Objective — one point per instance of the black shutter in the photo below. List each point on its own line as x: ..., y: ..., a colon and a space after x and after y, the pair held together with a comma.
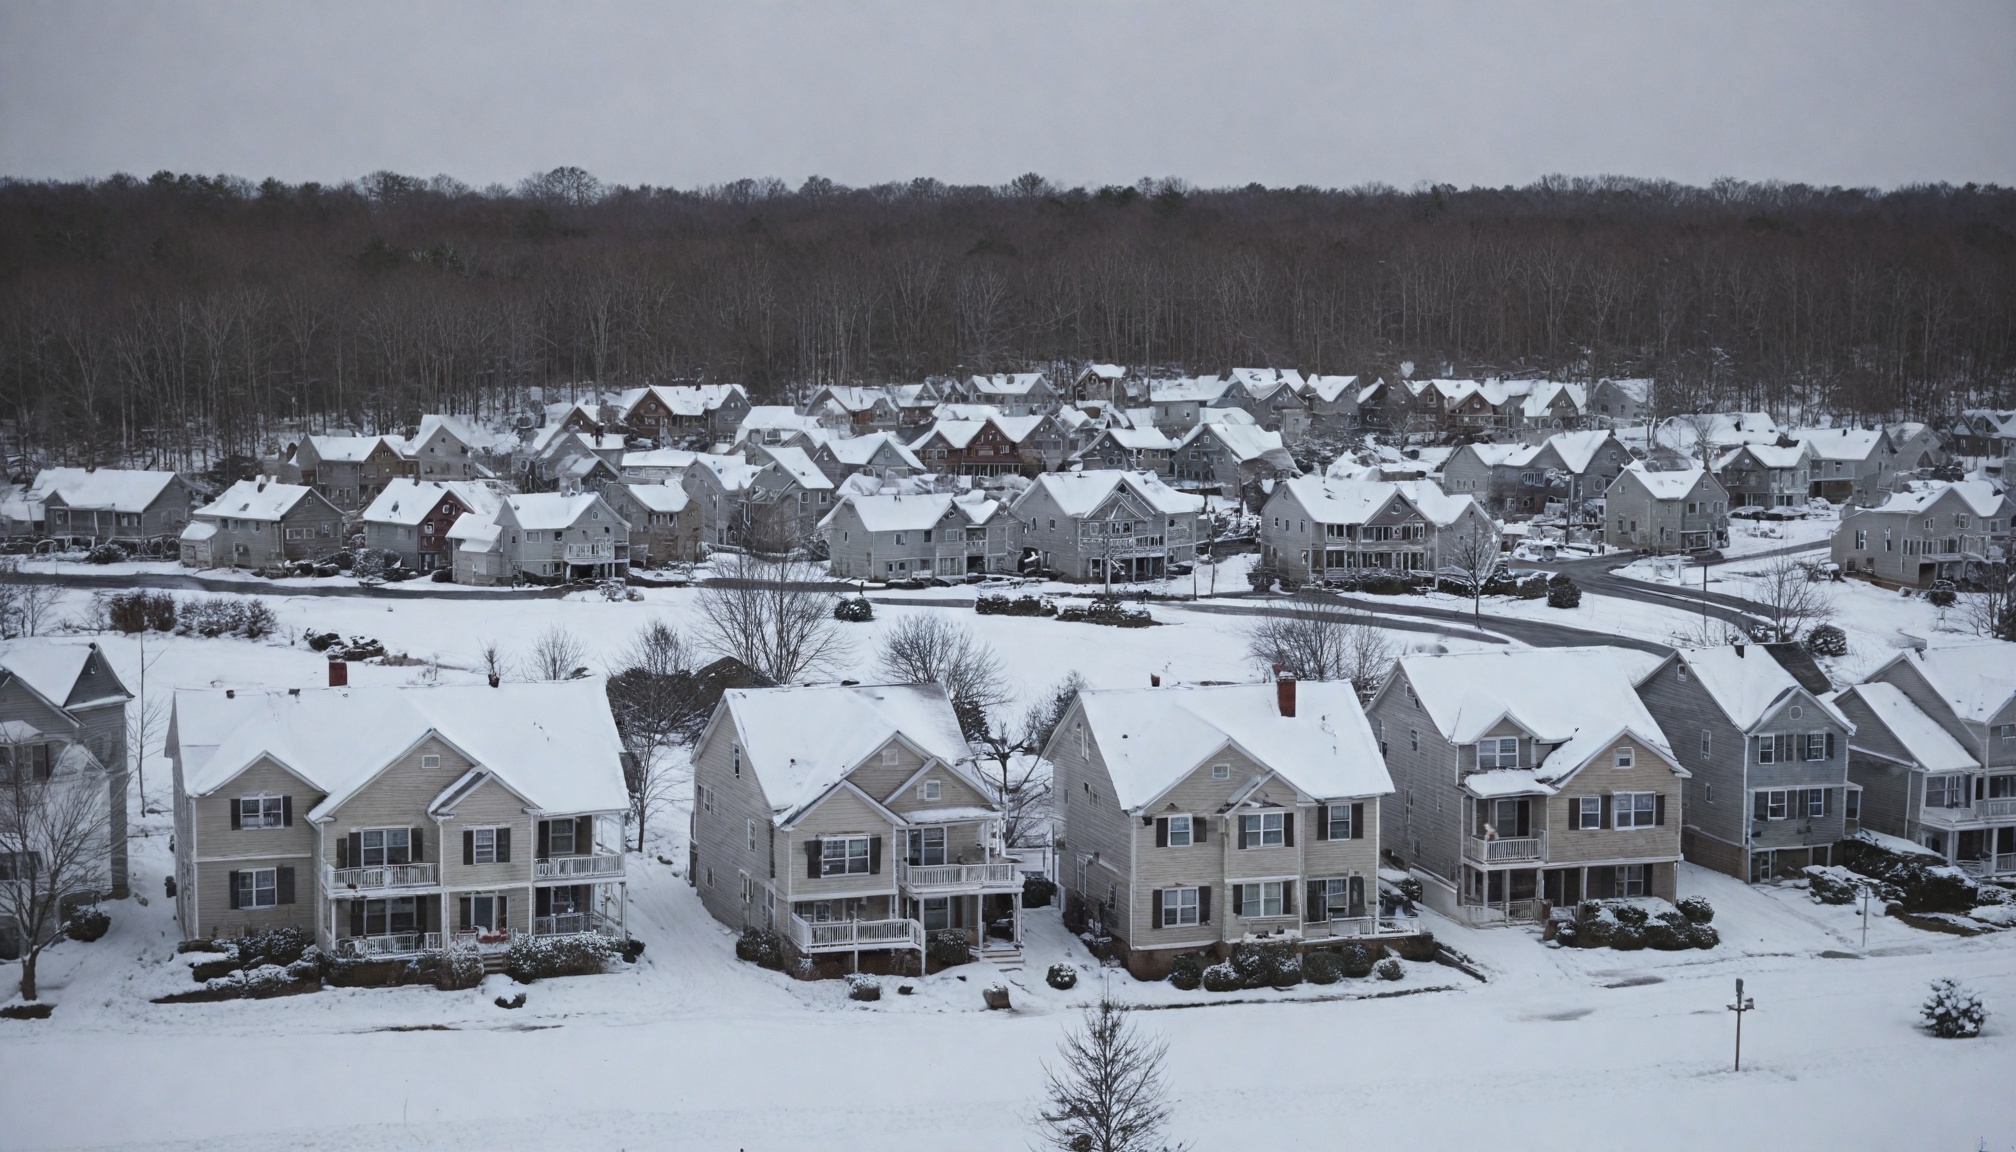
x: 1156, y: 896
x: 812, y: 859
x: 462, y: 914
x: 286, y: 811
x: 1288, y: 829
x: 875, y: 855
x: 1524, y: 825
x: 234, y: 889
x: 234, y: 815
x: 1323, y: 822
x: 1659, y: 809
x: 1826, y: 802
x: 1830, y: 745
x: 543, y: 846
x: 1357, y: 821
x: 503, y: 845
x: 1197, y: 826
x: 1239, y: 830
x: 1760, y: 807
x: 584, y: 835
x: 1319, y: 909
x: 1238, y: 899
x: 1161, y: 841
x: 416, y: 844
x: 1606, y: 822
x: 42, y: 762
x: 1287, y: 898
x: 356, y: 917
x: 542, y: 902
x: 1204, y: 905
x: 356, y: 849
x: 468, y: 846
x: 283, y: 882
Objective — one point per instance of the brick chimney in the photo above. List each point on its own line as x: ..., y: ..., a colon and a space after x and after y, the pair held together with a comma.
x: 1154, y: 680
x: 339, y: 674
x: 1284, y: 695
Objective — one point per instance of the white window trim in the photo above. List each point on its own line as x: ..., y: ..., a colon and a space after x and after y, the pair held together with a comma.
x: 846, y: 857
x: 1185, y: 916
x: 1189, y: 833
x: 1619, y: 808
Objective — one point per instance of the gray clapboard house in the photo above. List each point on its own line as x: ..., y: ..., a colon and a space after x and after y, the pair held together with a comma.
x: 896, y: 536
x: 1665, y: 510
x: 85, y: 506
x: 1934, y: 531
x: 1196, y: 816
x: 1317, y: 526
x: 1100, y: 525
x: 1769, y: 791
x: 259, y: 522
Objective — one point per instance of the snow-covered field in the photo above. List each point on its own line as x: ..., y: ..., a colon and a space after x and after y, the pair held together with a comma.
x: 688, y: 1048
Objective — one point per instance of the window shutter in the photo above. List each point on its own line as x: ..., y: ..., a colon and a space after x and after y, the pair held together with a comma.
x: 1323, y: 822
x: 234, y: 889
x: 1239, y: 825
x: 1156, y: 896
x: 503, y: 912
x: 1204, y: 904
x: 812, y: 859
x: 1760, y: 806
x: 875, y: 855
x: 1288, y: 899
x: 342, y: 852
x: 1288, y: 829
x: 235, y: 814
x: 416, y: 842
x: 504, y: 845
x: 356, y: 849
x: 286, y: 811
x: 1604, y: 820
x: 1197, y: 826
x: 1161, y: 841
x: 1358, y: 821
x: 1319, y: 910
x: 469, y: 846
x: 1659, y: 809
x: 542, y: 902
x: 283, y: 882
x: 1238, y: 899
x: 43, y: 763
x: 356, y: 918
x: 462, y: 914
x: 1827, y: 799
x: 584, y: 835
x: 543, y: 847
x: 1830, y: 745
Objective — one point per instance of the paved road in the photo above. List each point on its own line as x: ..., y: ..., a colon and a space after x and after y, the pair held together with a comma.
x: 1390, y: 623
x: 1597, y: 574
x: 410, y: 590
x: 1448, y: 622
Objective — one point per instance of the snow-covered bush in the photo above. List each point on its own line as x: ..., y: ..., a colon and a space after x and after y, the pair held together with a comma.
x: 1921, y: 883
x: 459, y: 968
x: 1627, y: 937
x: 853, y: 609
x: 282, y: 946
x: 1827, y: 640
x: 1186, y: 972
x: 1322, y: 966
x: 138, y: 611
x: 1266, y: 965
x: 1355, y: 961
x: 949, y: 948
x: 1222, y: 977
x: 106, y: 554
x: 1669, y: 932
x: 1390, y: 969
x: 1696, y: 908
x: 1704, y: 936
x: 1831, y: 885
x: 533, y: 957
x: 1632, y: 914
x: 1062, y: 977
x: 760, y: 948
x: 1420, y: 946
x: 863, y: 987
x: 246, y: 616
x: 1562, y: 592
x: 1024, y: 605
x: 1953, y: 1012
x: 1941, y: 594
x: 1038, y: 891
x: 87, y: 924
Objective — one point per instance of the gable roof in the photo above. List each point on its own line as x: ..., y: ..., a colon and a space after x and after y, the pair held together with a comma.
x: 1746, y: 685
x: 1329, y: 388
x: 1981, y: 497
x: 537, y: 511
x: 895, y: 512
x: 1151, y: 738
x: 100, y: 489
x: 1330, y: 500
x: 1082, y: 493
x: 1975, y: 680
x: 658, y: 497
x: 1766, y: 455
x: 860, y: 451
x: 553, y: 743
x: 52, y: 668
x: 679, y: 399
x: 1244, y: 441
x: 1579, y: 698
x: 1921, y: 736
x: 793, y: 462
x: 342, y: 449
x: 256, y: 500
x: 408, y: 501
x: 1663, y: 485
x: 801, y: 741
x: 1840, y: 443
x: 1190, y: 389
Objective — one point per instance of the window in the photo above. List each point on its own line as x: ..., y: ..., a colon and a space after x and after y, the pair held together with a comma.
x: 1587, y: 813
x: 382, y: 846
x: 1767, y: 750
x: 735, y: 759
x: 1263, y: 830
x: 1498, y: 752
x: 1414, y: 739
x: 1179, y: 833
x: 843, y: 856
x: 1816, y: 746
x: 1262, y: 899
x: 748, y: 825
x: 926, y: 847
x: 484, y: 847
x: 1179, y: 907
x: 1946, y: 791
x: 938, y: 914
x: 258, y: 888
x: 2006, y: 734
x: 1707, y: 792
x: 385, y: 917
x: 1634, y: 880
x: 1621, y: 758
x: 1816, y: 802
x: 933, y: 789
x: 1635, y: 809
x: 261, y: 812
x: 1861, y: 539
x: 889, y: 755
x: 1337, y: 818
x: 1773, y: 805
x: 1851, y: 804
x: 1707, y: 742
x: 20, y: 865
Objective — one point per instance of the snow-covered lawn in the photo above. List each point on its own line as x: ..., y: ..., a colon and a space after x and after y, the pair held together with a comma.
x: 1749, y: 536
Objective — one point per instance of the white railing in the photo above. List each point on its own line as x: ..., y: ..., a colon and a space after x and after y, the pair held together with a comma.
x: 599, y: 551
x: 1994, y: 865
x: 1506, y: 851
x: 1363, y: 926
x: 575, y: 924
x: 601, y: 865
x: 1001, y: 875
x: 810, y: 937
x: 395, y: 944
x: 385, y: 876
x: 1999, y: 807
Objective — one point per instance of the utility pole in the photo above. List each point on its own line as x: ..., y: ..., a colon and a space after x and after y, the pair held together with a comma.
x: 1743, y: 1004
x: 1864, y: 887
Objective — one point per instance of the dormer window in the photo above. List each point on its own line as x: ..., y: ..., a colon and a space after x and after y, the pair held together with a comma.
x: 933, y: 789
x: 1621, y: 758
x: 1498, y: 752
x: 430, y: 761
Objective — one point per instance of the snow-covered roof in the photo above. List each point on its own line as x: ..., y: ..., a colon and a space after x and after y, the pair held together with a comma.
x: 1106, y: 371
x: 1638, y: 389
x: 659, y: 497
x: 1495, y: 782
x: 1981, y: 497
x: 680, y: 400
x: 1329, y: 388
x: 732, y: 472
x: 1151, y: 738
x: 100, y: 489
x: 793, y: 462
x: 408, y: 501
x: 1082, y: 493
x: 538, y: 511
x: 1577, y: 449
x: 976, y: 412
x: 344, y: 449
x: 1244, y: 441
x: 853, y: 398
x: 1019, y: 428
x: 460, y: 429
x: 50, y: 667
x: 895, y: 512
x: 1006, y: 383
x: 858, y: 451
x: 1767, y: 455
x: 1139, y: 439
x: 1667, y: 485
x: 1190, y: 389
x: 256, y: 500
x: 1975, y: 680
x: 1745, y: 681
x: 1541, y: 396
x: 1578, y: 698
x: 955, y: 433
x: 801, y: 741
x: 197, y: 530
x: 772, y: 417
x: 1214, y: 416
x: 555, y: 744
x: 1840, y: 443
x: 674, y: 458
x: 1922, y: 737
x: 1330, y: 500
x: 476, y: 533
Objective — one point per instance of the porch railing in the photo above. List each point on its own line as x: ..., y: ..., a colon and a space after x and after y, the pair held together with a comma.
x: 384, y: 876
x: 393, y: 944
x: 1993, y: 865
x: 576, y: 924
x: 850, y: 934
x: 1998, y: 807
x: 1506, y: 851
x: 600, y: 865
x: 999, y: 875
x: 1356, y: 926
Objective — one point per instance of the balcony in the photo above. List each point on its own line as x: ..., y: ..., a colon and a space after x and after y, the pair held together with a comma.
x: 1998, y: 808
x: 577, y: 924
x: 395, y: 944
x: 1513, y: 850
x: 382, y: 878
x: 602, y: 550
x: 999, y: 877
x: 1999, y: 864
x: 1359, y: 927
x: 848, y: 935
x: 1995, y: 808
x: 598, y: 866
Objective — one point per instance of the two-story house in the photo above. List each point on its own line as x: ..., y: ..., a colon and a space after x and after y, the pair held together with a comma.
x: 86, y: 506
x: 1195, y: 816
x: 349, y: 470
x: 854, y: 411
x: 1273, y: 397
x: 720, y: 488
x: 897, y: 536
x: 1108, y: 525
x: 444, y: 448
x: 664, y: 522
x: 1314, y: 527
x: 1229, y: 456
x: 878, y: 454
x: 684, y: 416
x: 391, y: 821
x: 1527, y: 777
x: 1519, y: 481
x: 1849, y: 465
x: 1934, y: 752
x: 411, y: 518
x: 1129, y: 449
x: 1177, y: 403
x: 1933, y: 531
x: 1660, y: 511
x: 64, y: 709
x: 561, y: 536
x: 1765, y: 475
x: 1332, y: 401
x: 260, y: 522
x: 1620, y: 403
x: 1769, y: 792
x: 1014, y: 393
x: 848, y: 820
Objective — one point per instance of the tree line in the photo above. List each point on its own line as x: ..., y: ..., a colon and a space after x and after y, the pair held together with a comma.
x: 178, y: 320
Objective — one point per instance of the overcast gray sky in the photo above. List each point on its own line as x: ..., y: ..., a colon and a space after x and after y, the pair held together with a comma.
x: 1829, y: 91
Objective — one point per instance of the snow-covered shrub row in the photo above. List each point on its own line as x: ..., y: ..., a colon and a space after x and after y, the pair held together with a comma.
x: 1390, y: 969
x: 1953, y: 1012
x: 533, y: 957
x: 246, y: 616
x: 949, y: 948
x: 1628, y: 926
x: 1024, y: 605
x: 1922, y: 883
x: 761, y: 948
x: 1222, y: 977
x: 1106, y: 610
x: 459, y: 968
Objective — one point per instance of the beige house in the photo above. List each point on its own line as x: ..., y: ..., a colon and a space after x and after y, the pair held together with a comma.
x: 849, y: 821
x: 1196, y: 816
x: 1527, y: 777
x: 393, y: 821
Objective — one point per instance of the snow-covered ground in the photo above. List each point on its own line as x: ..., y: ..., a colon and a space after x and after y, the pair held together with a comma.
x: 1750, y: 536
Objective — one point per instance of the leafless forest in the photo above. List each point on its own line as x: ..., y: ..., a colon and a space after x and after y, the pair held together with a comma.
x: 171, y: 320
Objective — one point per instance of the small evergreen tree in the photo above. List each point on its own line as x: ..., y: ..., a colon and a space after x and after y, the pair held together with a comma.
x: 1562, y: 592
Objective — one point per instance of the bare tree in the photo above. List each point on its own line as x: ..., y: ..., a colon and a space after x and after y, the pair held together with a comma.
x: 36, y: 604
x: 54, y: 850
x: 1314, y: 640
x: 653, y: 698
x: 774, y: 615
x: 1990, y: 608
x: 928, y: 647
x: 557, y: 655
x: 1108, y: 1095
x: 146, y: 719
x: 1474, y: 558
x: 492, y: 661
x: 1791, y: 598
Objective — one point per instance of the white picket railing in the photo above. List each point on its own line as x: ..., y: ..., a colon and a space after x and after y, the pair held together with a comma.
x: 1995, y: 865
x: 1998, y: 807
x: 394, y: 944
x: 385, y: 876
x: 601, y: 865
x: 849, y: 934
x: 1506, y: 851
x: 575, y: 924
x: 999, y: 875
x: 1363, y: 926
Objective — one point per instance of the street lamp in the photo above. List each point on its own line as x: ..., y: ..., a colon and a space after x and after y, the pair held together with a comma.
x: 1743, y: 1004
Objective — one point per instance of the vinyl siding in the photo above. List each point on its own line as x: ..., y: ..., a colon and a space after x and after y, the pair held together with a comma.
x: 1092, y: 823
x: 1427, y: 808
x: 1683, y: 709
x: 720, y: 836
x: 1649, y: 772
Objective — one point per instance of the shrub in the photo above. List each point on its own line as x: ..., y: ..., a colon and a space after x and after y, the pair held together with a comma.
x: 1322, y: 966
x: 1827, y: 640
x: 1038, y: 891
x: 282, y: 946
x: 106, y: 554
x: 1941, y: 594
x: 1265, y: 965
x: 949, y: 948
x: 1420, y: 947
x: 1921, y: 883
x: 1631, y: 914
x: 1627, y: 937
x: 1355, y: 961
x: 323, y: 641
x: 1953, y: 1012
x: 1831, y: 885
x: 1696, y: 908
x: 207, y: 970
x: 1062, y: 977
x: 1704, y: 936
x: 760, y: 948
x: 533, y: 957
x: 1186, y: 972
x: 1390, y: 969
x: 1261, y: 576
x: 87, y: 924
x: 133, y: 612
x: 459, y: 968
x: 1023, y: 605
x: 1409, y: 887
x: 1222, y: 978
x: 1532, y: 589
x: 854, y: 610
x: 1562, y: 592
x: 1669, y: 933
x: 246, y: 616
x: 863, y: 987
x: 372, y: 562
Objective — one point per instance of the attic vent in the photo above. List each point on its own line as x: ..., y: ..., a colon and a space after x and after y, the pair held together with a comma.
x: 1797, y: 712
